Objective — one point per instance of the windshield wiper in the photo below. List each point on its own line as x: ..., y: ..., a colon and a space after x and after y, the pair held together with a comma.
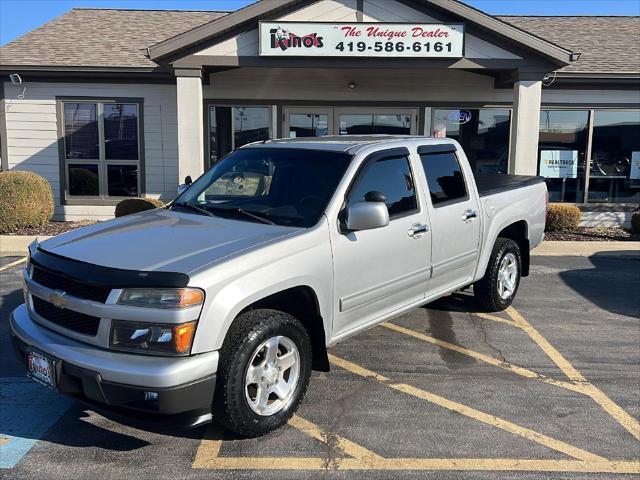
x: 241, y: 211
x: 201, y: 210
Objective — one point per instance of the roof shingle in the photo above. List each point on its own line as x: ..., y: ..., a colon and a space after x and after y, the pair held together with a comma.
x: 607, y: 44
x: 119, y: 38
x: 101, y: 37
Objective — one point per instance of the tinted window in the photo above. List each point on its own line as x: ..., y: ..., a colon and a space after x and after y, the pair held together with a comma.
x: 81, y: 131
x: 121, y: 131
x: 392, y: 177
x: 286, y: 186
x: 83, y: 179
x: 122, y: 180
x: 444, y: 176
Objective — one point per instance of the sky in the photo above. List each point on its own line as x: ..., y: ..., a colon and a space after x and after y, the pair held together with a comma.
x: 20, y: 16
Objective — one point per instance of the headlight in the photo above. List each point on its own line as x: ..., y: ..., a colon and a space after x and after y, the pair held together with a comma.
x: 161, y: 297
x: 152, y: 338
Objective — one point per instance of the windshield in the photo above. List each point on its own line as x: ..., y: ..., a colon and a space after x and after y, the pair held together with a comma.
x: 283, y: 186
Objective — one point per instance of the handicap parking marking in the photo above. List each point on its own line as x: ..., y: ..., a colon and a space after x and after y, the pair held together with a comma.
x: 359, y: 458
x: 27, y: 411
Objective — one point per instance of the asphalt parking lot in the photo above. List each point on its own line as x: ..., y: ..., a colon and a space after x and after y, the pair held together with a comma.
x: 548, y: 389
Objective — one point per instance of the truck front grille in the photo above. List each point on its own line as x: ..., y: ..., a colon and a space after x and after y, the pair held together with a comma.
x: 72, y: 287
x: 78, y: 322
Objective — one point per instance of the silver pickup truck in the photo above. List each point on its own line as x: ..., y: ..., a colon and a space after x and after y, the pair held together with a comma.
x: 222, y: 303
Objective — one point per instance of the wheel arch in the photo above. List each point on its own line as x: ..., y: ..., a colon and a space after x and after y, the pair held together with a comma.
x: 301, y: 302
x: 519, y: 233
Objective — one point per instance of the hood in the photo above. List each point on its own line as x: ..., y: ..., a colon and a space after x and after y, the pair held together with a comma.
x: 162, y: 240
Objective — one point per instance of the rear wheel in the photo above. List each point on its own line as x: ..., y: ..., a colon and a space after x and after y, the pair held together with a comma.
x: 497, y: 289
x: 264, y: 372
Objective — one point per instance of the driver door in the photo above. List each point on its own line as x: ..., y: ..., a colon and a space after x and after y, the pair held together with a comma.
x: 379, y: 271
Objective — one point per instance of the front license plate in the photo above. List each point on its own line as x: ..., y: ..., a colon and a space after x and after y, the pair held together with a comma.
x: 41, y: 368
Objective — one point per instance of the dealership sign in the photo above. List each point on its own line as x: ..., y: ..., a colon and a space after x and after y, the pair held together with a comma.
x: 559, y: 163
x: 395, y: 40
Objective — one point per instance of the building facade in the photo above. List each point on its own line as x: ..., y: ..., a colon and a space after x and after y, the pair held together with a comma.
x: 109, y: 104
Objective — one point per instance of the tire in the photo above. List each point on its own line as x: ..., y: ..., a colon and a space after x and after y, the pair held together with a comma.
x: 241, y: 406
x: 490, y: 292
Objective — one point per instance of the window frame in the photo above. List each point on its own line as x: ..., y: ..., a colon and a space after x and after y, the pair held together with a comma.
x: 454, y: 152
x: 381, y: 155
x: 208, y: 104
x: 103, y: 199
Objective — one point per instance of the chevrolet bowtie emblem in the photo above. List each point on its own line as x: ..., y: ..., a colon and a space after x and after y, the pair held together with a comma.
x: 57, y: 298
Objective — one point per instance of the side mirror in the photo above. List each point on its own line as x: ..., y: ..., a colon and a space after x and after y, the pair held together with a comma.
x: 367, y: 216
x: 182, y: 187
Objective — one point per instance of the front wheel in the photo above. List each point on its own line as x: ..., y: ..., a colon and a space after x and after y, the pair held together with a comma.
x: 264, y: 372
x: 497, y: 289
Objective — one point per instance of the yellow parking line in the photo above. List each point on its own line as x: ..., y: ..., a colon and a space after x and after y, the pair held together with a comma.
x: 544, y: 344
x: 209, y: 447
x: 425, y: 464
x: 12, y: 264
x: 622, y: 417
x: 494, y: 318
x: 473, y: 413
x: 524, y: 372
x: 347, y: 446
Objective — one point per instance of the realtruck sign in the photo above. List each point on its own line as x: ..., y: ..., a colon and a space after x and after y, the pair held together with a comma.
x: 395, y: 40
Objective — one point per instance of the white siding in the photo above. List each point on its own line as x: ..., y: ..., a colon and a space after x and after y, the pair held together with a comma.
x: 32, y: 136
x: 247, y: 44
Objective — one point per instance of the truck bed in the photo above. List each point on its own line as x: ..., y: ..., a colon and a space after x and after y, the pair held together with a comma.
x: 492, y: 183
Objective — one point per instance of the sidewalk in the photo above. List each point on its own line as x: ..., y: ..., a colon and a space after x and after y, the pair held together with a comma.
x: 586, y: 249
x: 16, y: 245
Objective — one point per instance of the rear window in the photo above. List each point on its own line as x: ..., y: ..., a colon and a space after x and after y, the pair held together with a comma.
x: 444, y: 177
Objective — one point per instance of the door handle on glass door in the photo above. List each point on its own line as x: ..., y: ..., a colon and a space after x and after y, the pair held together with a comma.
x: 468, y: 215
x: 417, y: 229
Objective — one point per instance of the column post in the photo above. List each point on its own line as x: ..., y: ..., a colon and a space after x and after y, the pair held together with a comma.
x: 525, y: 123
x: 190, y: 123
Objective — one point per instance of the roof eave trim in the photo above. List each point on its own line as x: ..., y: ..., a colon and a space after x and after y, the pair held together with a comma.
x: 554, y: 52
x: 216, y: 27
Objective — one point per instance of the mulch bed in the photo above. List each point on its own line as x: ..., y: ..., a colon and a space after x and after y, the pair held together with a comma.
x: 594, y: 234
x: 53, y: 228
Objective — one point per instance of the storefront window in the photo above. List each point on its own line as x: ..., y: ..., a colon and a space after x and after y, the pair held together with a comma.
x: 614, y: 175
x: 308, y: 125
x: 562, y: 147
x: 101, y: 149
x: 483, y: 134
x: 233, y: 127
x: 367, y: 124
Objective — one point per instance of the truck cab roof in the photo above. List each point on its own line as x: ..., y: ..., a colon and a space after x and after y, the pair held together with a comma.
x: 346, y: 143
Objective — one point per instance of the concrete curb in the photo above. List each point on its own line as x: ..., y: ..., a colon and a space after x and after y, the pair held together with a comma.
x: 16, y: 245
x: 586, y: 249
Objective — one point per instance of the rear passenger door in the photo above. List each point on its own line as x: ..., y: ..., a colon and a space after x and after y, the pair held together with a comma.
x: 454, y: 213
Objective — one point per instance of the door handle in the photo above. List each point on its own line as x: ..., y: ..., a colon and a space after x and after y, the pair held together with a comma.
x: 417, y: 230
x: 468, y: 215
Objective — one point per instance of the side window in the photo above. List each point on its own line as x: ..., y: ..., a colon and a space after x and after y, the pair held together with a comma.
x: 444, y: 177
x: 391, y: 176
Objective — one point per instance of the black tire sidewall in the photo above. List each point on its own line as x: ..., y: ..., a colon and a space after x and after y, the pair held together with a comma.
x: 506, y: 246
x: 238, y: 415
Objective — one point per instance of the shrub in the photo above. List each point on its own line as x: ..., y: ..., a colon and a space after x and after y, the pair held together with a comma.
x: 635, y: 221
x: 26, y: 200
x: 562, y: 217
x: 136, y: 205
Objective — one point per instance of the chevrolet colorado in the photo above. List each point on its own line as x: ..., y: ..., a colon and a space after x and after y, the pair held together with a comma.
x: 220, y: 304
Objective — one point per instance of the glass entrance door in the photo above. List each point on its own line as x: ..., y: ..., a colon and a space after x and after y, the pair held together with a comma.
x: 318, y: 122
x: 383, y: 121
x: 308, y: 122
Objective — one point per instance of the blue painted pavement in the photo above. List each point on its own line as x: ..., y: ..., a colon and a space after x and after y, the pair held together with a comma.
x: 27, y: 411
